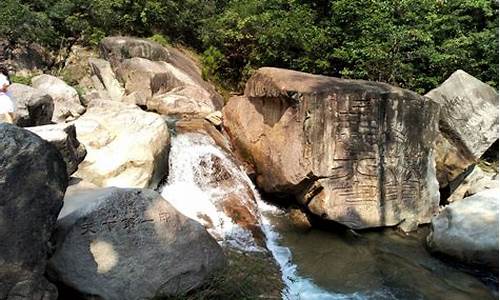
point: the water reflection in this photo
(378, 265)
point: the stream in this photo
(380, 264)
(315, 264)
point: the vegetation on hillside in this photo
(413, 44)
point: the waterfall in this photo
(197, 166)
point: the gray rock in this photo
(33, 180)
(468, 122)
(106, 76)
(467, 230)
(130, 244)
(118, 48)
(34, 107)
(63, 136)
(474, 182)
(356, 152)
(66, 99)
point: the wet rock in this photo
(66, 100)
(468, 123)
(104, 73)
(32, 184)
(467, 230)
(63, 136)
(355, 152)
(34, 107)
(126, 147)
(130, 244)
(221, 196)
(299, 219)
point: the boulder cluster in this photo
(79, 171)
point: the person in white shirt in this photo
(7, 103)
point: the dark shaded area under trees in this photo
(412, 44)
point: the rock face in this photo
(126, 147)
(25, 59)
(478, 180)
(66, 100)
(468, 123)
(356, 152)
(117, 48)
(63, 136)
(468, 230)
(32, 184)
(34, 107)
(104, 73)
(163, 79)
(130, 244)
(140, 75)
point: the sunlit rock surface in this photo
(34, 107)
(164, 79)
(66, 99)
(126, 244)
(468, 123)
(467, 230)
(126, 146)
(356, 152)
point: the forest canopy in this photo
(412, 44)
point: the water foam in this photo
(193, 194)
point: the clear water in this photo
(315, 264)
(377, 265)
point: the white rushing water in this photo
(190, 188)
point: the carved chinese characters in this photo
(130, 244)
(355, 152)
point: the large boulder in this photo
(34, 107)
(33, 180)
(66, 100)
(119, 244)
(468, 123)
(118, 48)
(356, 152)
(165, 79)
(467, 230)
(63, 136)
(106, 76)
(142, 78)
(126, 146)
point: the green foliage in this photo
(413, 44)
(21, 79)
(160, 39)
(18, 22)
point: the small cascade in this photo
(201, 177)
(203, 183)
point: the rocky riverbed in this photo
(141, 182)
